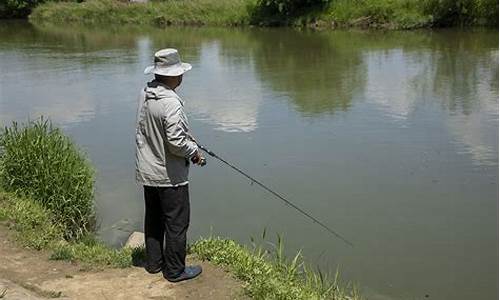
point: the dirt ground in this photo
(30, 275)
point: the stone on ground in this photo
(135, 240)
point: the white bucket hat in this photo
(168, 63)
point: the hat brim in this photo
(168, 71)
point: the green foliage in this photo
(21, 8)
(290, 7)
(407, 14)
(39, 162)
(158, 13)
(401, 14)
(462, 12)
(268, 274)
(396, 14)
(17, 8)
(284, 12)
(487, 12)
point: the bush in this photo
(17, 8)
(39, 162)
(21, 8)
(279, 12)
(462, 12)
(487, 12)
(291, 7)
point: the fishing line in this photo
(253, 180)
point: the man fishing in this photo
(164, 148)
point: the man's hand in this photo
(198, 159)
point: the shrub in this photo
(279, 12)
(487, 12)
(17, 8)
(39, 162)
(462, 12)
(290, 7)
(22, 8)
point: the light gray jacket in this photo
(163, 142)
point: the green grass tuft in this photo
(38, 161)
(93, 255)
(269, 274)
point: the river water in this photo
(390, 138)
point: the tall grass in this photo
(379, 13)
(414, 13)
(159, 13)
(269, 274)
(38, 161)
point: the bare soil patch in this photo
(29, 274)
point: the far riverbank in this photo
(386, 14)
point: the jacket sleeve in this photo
(177, 132)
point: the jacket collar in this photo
(161, 90)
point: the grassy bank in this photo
(270, 275)
(36, 200)
(392, 14)
(196, 12)
(267, 274)
(34, 228)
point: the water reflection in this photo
(393, 81)
(231, 95)
(319, 72)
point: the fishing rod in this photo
(211, 153)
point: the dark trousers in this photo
(165, 227)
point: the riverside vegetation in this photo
(46, 198)
(395, 14)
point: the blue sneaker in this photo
(189, 273)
